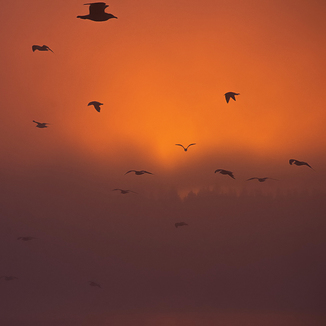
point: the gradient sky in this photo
(253, 253)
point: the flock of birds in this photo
(97, 13)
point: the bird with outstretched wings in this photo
(299, 163)
(229, 95)
(185, 148)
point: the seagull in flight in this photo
(229, 95)
(91, 283)
(96, 105)
(123, 191)
(41, 48)
(41, 124)
(26, 238)
(139, 172)
(9, 278)
(185, 148)
(225, 172)
(299, 163)
(97, 12)
(180, 224)
(260, 179)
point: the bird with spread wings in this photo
(91, 283)
(97, 105)
(261, 179)
(229, 95)
(41, 48)
(9, 278)
(124, 191)
(185, 148)
(180, 224)
(226, 172)
(97, 12)
(41, 124)
(137, 172)
(299, 163)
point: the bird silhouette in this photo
(139, 172)
(299, 163)
(124, 191)
(91, 283)
(96, 105)
(26, 238)
(97, 12)
(261, 179)
(229, 95)
(180, 224)
(41, 48)
(225, 172)
(41, 124)
(9, 278)
(186, 148)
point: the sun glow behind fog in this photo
(159, 92)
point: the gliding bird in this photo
(299, 163)
(97, 12)
(91, 283)
(260, 179)
(139, 172)
(229, 95)
(123, 192)
(96, 105)
(26, 238)
(9, 278)
(41, 48)
(41, 124)
(180, 224)
(225, 172)
(185, 148)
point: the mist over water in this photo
(242, 250)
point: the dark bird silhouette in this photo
(97, 12)
(9, 278)
(180, 224)
(299, 163)
(41, 124)
(41, 48)
(260, 179)
(225, 172)
(91, 283)
(124, 191)
(186, 148)
(96, 105)
(229, 95)
(139, 172)
(26, 238)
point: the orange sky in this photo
(161, 69)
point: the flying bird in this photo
(229, 95)
(260, 179)
(97, 12)
(26, 238)
(9, 278)
(96, 105)
(180, 224)
(225, 172)
(299, 163)
(41, 124)
(41, 48)
(91, 283)
(139, 172)
(185, 148)
(124, 191)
